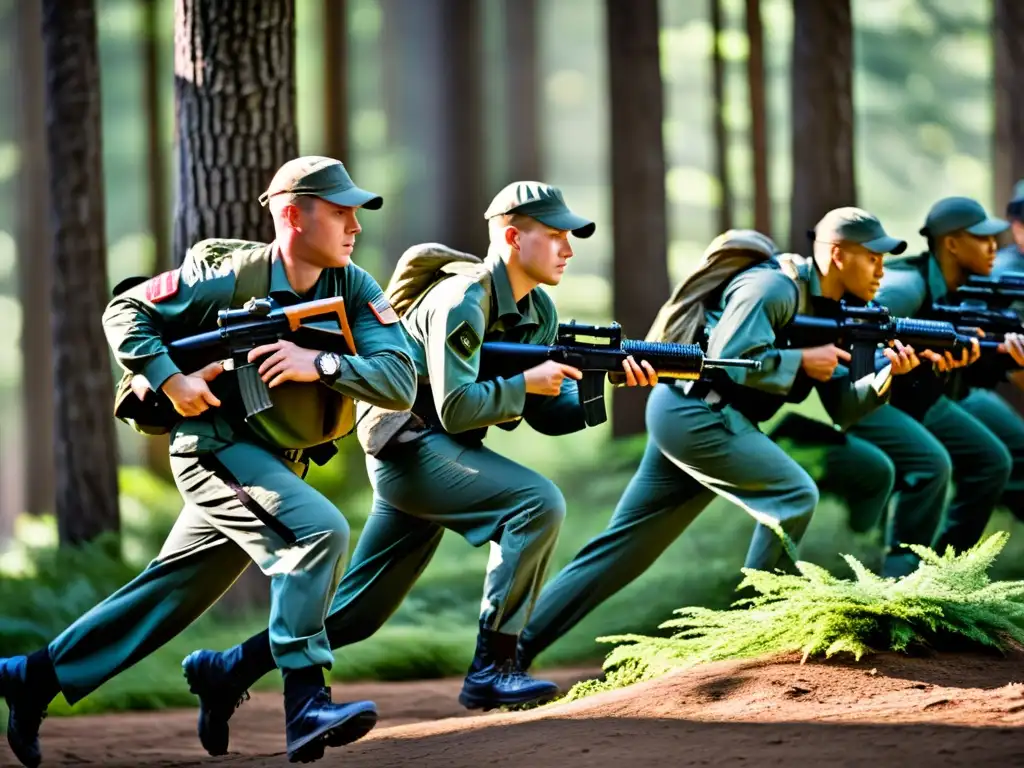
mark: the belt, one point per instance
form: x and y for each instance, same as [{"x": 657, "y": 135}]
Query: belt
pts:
[{"x": 701, "y": 390}]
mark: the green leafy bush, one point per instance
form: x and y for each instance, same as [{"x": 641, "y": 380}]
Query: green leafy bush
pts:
[{"x": 949, "y": 601}]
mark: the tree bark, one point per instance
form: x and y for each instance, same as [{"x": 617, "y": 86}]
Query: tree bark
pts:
[
  {"x": 822, "y": 109},
  {"x": 522, "y": 90},
  {"x": 758, "y": 118},
  {"x": 434, "y": 104},
  {"x": 639, "y": 221},
  {"x": 718, "y": 118},
  {"x": 336, "y": 112},
  {"x": 1008, "y": 168},
  {"x": 34, "y": 269},
  {"x": 86, "y": 449},
  {"x": 234, "y": 89}
]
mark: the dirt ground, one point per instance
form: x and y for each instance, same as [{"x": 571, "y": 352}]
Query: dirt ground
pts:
[{"x": 884, "y": 711}]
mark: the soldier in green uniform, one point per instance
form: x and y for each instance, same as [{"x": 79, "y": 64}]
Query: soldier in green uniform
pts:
[
  {"x": 704, "y": 437},
  {"x": 241, "y": 479},
  {"x": 1010, "y": 258},
  {"x": 982, "y": 434},
  {"x": 430, "y": 470}
]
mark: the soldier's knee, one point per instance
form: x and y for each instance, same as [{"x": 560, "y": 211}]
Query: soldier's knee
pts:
[
  {"x": 998, "y": 463},
  {"x": 552, "y": 503},
  {"x": 544, "y": 511},
  {"x": 334, "y": 528},
  {"x": 805, "y": 498},
  {"x": 940, "y": 466}
]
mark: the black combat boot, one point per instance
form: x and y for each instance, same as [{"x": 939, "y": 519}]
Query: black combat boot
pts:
[
  {"x": 28, "y": 683},
  {"x": 313, "y": 722},
  {"x": 495, "y": 678}
]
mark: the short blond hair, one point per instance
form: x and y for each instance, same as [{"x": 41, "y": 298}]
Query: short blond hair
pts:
[{"x": 496, "y": 224}]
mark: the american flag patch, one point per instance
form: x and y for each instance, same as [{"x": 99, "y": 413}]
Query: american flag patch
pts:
[
  {"x": 382, "y": 308},
  {"x": 161, "y": 287}
]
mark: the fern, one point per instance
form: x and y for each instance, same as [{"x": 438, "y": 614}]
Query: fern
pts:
[{"x": 949, "y": 600}]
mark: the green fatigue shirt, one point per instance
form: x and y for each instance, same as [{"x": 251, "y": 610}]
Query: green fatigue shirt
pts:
[
  {"x": 755, "y": 305},
  {"x": 446, "y": 329},
  {"x": 140, "y": 322}
]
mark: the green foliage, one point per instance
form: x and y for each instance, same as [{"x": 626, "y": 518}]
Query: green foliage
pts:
[{"x": 949, "y": 601}]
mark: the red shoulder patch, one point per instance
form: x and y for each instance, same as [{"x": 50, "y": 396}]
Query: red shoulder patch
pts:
[
  {"x": 161, "y": 287},
  {"x": 382, "y": 308}
]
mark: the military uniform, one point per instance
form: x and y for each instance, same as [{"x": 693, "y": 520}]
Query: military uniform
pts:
[
  {"x": 433, "y": 473},
  {"x": 241, "y": 479},
  {"x": 704, "y": 438},
  {"x": 978, "y": 432}
]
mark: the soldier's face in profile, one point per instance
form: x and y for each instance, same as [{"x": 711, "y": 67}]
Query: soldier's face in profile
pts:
[
  {"x": 544, "y": 252},
  {"x": 328, "y": 232},
  {"x": 861, "y": 270},
  {"x": 1017, "y": 229},
  {"x": 976, "y": 254}
]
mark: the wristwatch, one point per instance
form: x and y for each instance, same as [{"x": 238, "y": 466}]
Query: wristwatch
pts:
[{"x": 328, "y": 365}]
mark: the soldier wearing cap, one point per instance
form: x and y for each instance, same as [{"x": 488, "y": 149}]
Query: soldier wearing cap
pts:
[
  {"x": 241, "y": 479},
  {"x": 704, "y": 437},
  {"x": 979, "y": 430},
  {"x": 1010, "y": 258},
  {"x": 435, "y": 474}
]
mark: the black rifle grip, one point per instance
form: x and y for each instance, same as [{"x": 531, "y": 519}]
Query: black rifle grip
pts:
[{"x": 591, "y": 392}]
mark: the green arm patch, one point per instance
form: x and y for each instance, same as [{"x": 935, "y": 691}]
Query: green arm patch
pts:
[{"x": 464, "y": 340}]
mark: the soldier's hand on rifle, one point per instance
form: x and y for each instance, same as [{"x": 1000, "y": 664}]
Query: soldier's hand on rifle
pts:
[
  {"x": 637, "y": 376},
  {"x": 286, "y": 362},
  {"x": 547, "y": 378},
  {"x": 902, "y": 357},
  {"x": 190, "y": 395},
  {"x": 946, "y": 362},
  {"x": 820, "y": 362},
  {"x": 1013, "y": 344}
]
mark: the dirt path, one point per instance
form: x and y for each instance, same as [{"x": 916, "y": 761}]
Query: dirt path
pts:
[{"x": 888, "y": 711}]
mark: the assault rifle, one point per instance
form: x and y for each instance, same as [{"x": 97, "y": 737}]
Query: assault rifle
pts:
[
  {"x": 861, "y": 330},
  {"x": 971, "y": 317},
  {"x": 259, "y": 322},
  {"x": 1000, "y": 292},
  {"x": 596, "y": 359}
]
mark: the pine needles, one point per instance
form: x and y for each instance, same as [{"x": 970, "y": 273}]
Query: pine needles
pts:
[{"x": 948, "y": 601}]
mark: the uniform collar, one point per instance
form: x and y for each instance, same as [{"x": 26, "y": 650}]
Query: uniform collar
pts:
[
  {"x": 279, "y": 285},
  {"x": 937, "y": 287},
  {"x": 510, "y": 314}
]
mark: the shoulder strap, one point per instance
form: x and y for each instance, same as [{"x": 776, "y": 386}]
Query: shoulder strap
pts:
[
  {"x": 797, "y": 268},
  {"x": 252, "y": 273}
]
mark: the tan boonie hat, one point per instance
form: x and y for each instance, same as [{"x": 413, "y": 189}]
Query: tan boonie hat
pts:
[
  {"x": 542, "y": 202},
  {"x": 322, "y": 177}
]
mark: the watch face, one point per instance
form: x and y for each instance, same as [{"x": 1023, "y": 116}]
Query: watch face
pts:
[{"x": 329, "y": 364}]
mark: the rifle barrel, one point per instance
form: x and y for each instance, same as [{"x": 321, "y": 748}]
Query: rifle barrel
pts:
[{"x": 712, "y": 362}]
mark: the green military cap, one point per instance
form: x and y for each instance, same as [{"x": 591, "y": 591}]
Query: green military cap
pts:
[
  {"x": 741, "y": 240},
  {"x": 322, "y": 177},
  {"x": 952, "y": 214},
  {"x": 1015, "y": 208},
  {"x": 855, "y": 225},
  {"x": 541, "y": 202}
]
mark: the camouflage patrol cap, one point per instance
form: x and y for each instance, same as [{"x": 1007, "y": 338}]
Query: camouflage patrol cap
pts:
[
  {"x": 952, "y": 214},
  {"x": 741, "y": 240},
  {"x": 322, "y": 177},
  {"x": 542, "y": 202}
]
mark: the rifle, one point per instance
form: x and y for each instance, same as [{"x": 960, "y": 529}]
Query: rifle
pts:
[
  {"x": 969, "y": 317},
  {"x": 1001, "y": 292},
  {"x": 595, "y": 359},
  {"x": 860, "y": 331},
  {"x": 263, "y": 321}
]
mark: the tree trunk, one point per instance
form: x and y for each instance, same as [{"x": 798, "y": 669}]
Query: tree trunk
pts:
[
  {"x": 1008, "y": 168},
  {"x": 156, "y": 165},
  {"x": 822, "y": 109},
  {"x": 234, "y": 93},
  {"x": 86, "y": 449},
  {"x": 639, "y": 222},
  {"x": 34, "y": 272},
  {"x": 758, "y": 118},
  {"x": 336, "y": 132},
  {"x": 522, "y": 90},
  {"x": 434, "y": 103},
  {"x": 718, "y": 119}
]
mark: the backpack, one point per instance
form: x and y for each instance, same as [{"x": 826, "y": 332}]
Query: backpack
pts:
[
  {"x": 419, "y": 269},
  {"x": 156, "y": 415},
  {"x": 680, "y": 319}
]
